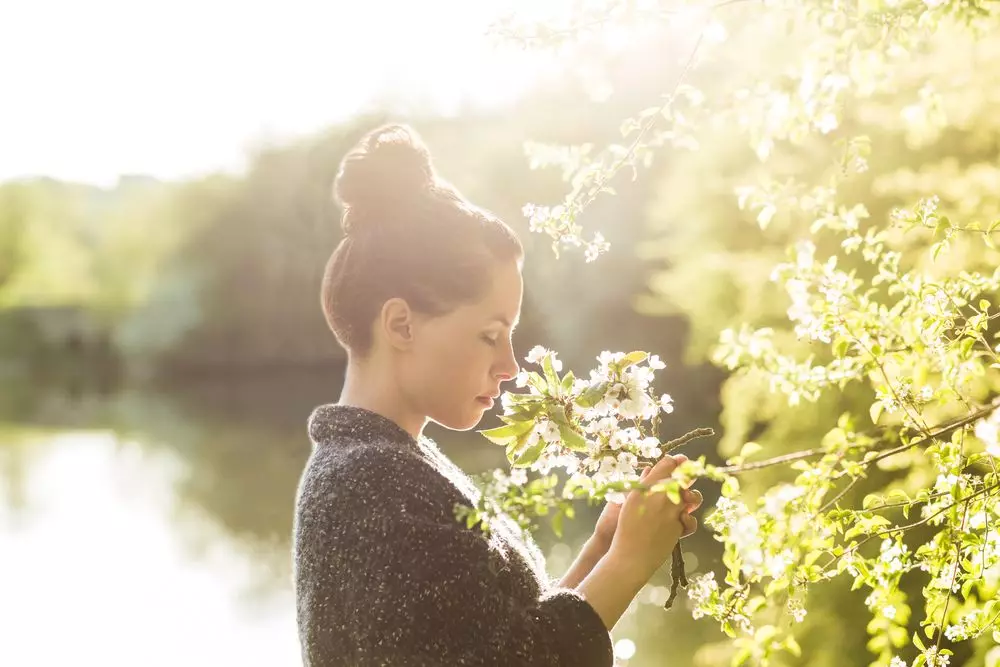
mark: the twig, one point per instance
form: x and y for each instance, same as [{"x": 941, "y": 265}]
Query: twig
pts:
[
  {"x": 671, "y": 445},
  {"x": 945, "y": 429},
  {"x": 954, "y": 577},
  {"x": 840, "y": 495}
]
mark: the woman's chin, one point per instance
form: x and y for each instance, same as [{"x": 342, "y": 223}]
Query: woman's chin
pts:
[{"x": 463, "y": 421}]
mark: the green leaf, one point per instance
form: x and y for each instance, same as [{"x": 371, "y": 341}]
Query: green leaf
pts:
[
  {"x": 875, "y": 411},
  {"x": 515, "y": 448},
  {"x": 766, "y": 215},
  {"x": 557, "y": 413},
  {"x": 765, "y": 634},
  {"x": 502, "y": 435},
  {"x": 530, "y": 454},
  {"x": 537, "y": 381},
  {"x": 557, "y": 524},
  {"x": 965, "y": 347},
  {"x": 572, "y": 439},
  {"x": 793, "y": 646},
  {"x": 671, "y": 487},
  {"x": 567, "y": 382},
  {"x": 551, "y": 378},
  {"x": 633, "y": 358},
  {"x": 749, "y": 449},
  {"x": 592, "y": 395},
  {"x": 897, "y": 495},
  {"x": 840, "y": 348}
]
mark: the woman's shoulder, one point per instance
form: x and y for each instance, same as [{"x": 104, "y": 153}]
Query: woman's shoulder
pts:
[{"x": 361, "y": 460}]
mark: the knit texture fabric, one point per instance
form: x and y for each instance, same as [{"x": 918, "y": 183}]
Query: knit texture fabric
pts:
[{"x": 385, "y": 574}]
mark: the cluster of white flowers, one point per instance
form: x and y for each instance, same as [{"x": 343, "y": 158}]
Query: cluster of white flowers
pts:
[
  {"x": 796, "y": 607},
  {"x": 702, "y": 590},
  {"x": 936, "y": 659},
  {"x": 613, "y": 450},
  {"x": 554, "y": 221},
  {"x": 740, "y": 526},
  {"x": 968, "y": 627},
  {"x": 988, "y": 431},
  {"x": 808, "y": 311},
  {"x": 778, "y": 499},
  {"x": 946, "y": 484},
  {"x": 985, "y": 562},
  {"x": 894, "y": 559},
  {"x": 516, "y": 477}
]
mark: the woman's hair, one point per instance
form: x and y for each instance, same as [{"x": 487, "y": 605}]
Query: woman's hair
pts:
[{"x": 407, "y": 234}]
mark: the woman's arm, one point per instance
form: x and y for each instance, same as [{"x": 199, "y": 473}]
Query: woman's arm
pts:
[
  {"x": 595, "y": 547},
  {"x": 591, "y": 553},
  {"x": 612, "y": 585}
]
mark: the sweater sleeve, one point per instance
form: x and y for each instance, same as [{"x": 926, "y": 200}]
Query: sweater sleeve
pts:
[{"x": 428, "y": 592}]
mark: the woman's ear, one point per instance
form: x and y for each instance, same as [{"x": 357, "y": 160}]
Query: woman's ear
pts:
[{"x": 396, "y": 321}]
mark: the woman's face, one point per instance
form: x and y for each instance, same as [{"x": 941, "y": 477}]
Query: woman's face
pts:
[{"x": 459, "y": 360}]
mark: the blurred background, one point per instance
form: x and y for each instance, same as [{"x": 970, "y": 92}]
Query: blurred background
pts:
[{"x": 165, "y": 217}]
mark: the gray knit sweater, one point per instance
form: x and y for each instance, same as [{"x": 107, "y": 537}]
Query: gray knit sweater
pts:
[{"x": 385, "y": 574}]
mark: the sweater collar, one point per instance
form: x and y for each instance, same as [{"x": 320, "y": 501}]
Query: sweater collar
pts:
[{"x": 334, "y": 421}]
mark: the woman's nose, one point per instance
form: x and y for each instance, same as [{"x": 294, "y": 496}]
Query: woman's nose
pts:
[{"x": 509, "y": 367}]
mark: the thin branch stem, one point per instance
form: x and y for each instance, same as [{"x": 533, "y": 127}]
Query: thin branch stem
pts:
[
  {"x": 644, "y": 128},
  {"x": 954, "y": 577},
  {"x": 840, "y": 495},
  {"x": 671, "y": 445}
]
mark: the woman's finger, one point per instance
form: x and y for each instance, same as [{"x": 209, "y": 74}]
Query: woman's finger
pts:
[
  {"x": 690, "y": 524},
  {"x": 692, "y": 499},
  {"x": 662, "y": 470}
]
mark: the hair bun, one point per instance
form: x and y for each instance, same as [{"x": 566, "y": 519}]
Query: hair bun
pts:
[{"x": 388, "y": 169}]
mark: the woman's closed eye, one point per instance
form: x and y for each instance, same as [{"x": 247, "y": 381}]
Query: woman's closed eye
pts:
[{"x": 490, "y": 340}]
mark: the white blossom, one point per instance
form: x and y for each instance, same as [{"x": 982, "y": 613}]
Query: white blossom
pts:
[
  {"x": 549, "y": 431},
  {"x": 701, "y": 588},
  {"x": 536, "y": 355},
  {"x": 519, "y": 476}
]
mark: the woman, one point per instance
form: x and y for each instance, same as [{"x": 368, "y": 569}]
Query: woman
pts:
[{"x": 424, "y": 293}]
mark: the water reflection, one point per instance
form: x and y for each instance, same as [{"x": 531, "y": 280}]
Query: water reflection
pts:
[
  {"x": 93, "y": 570},
  {"x": 154, "y": 527}
]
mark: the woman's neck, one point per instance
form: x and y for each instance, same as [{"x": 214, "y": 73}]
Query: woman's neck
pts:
[{"x": 369, "y": 387}]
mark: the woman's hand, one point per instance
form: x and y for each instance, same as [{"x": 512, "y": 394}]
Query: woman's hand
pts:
[
  {"x": 650, "y": 525},
  {"x": 607, "y": 522}
]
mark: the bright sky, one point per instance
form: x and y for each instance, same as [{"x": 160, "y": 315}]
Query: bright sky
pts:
[{"x": 179, "y": 87}]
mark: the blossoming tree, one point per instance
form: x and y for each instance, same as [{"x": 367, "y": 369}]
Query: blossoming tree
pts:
[{"x": 899, "y": 307}]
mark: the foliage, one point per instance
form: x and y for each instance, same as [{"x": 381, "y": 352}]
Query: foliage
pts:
[{"x": 894, "y": 302}]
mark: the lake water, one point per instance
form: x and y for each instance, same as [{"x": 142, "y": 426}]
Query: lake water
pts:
[{"x": 153, "y": 527}]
